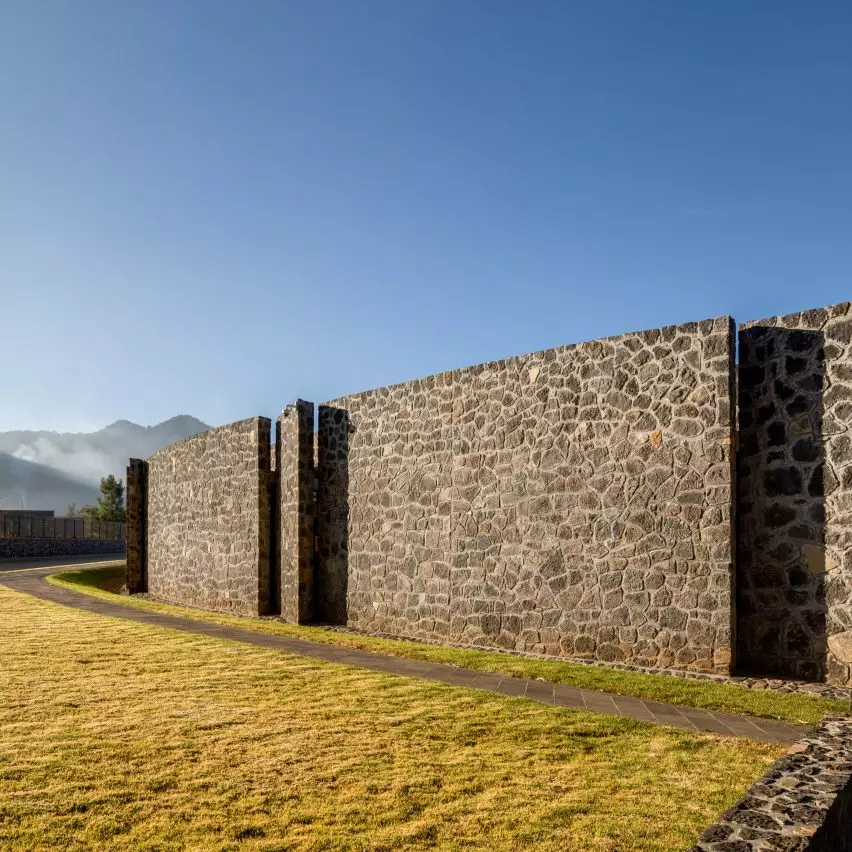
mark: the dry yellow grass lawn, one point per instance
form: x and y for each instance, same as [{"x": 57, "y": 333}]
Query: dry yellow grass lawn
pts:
[
  {"x": 116, "y": 735},
  {"x": 789, "y": 707}
]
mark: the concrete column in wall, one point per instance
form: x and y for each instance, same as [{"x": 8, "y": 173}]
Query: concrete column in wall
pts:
[
  {"x": 295, "y": 438},
  {"x": 136, "y": 568}
]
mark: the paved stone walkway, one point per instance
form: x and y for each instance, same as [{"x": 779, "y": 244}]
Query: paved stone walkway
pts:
[
  {"x": 33, "y": 582},
  {"x": 65, "y": 563}
]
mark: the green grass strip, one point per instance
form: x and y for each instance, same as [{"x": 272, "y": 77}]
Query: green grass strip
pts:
[{"x": 689, "y": 692}]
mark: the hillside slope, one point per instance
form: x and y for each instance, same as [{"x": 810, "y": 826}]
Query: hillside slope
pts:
[{"x": 49, "y": 470}]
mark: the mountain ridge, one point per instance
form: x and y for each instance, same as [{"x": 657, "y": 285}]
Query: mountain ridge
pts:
[
  {"x": 177, "y": 419},
  {"x": 53, "y": 469}
]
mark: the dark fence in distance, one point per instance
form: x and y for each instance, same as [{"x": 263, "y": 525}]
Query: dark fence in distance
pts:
[{"x": 39, "y": 526}]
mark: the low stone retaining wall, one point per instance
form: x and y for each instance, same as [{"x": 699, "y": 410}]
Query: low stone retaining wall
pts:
[
  {"x": 803, "y": 804},
  {"x": 39, "y": 548}
]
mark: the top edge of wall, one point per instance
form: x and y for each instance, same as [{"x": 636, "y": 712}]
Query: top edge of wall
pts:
[
  {"x": 725, "y": 319},
  {"x": 297, "y": 405},
  {"x": 812, "y": 318},
  {"x": 257, "y": 421}
]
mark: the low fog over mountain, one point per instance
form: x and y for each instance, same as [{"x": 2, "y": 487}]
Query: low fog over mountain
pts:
[{"x": 49, "y": 470}]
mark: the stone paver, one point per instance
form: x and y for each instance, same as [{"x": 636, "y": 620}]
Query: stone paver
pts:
[{"x": 33, "y": 582}]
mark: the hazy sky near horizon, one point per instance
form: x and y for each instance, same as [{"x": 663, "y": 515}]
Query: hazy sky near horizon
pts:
[{"x": 216, "y": 207}]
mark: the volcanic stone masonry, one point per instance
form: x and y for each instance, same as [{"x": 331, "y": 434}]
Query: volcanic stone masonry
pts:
[
  {"x": 208, "y": 519},
  {"x": 295, "y": 446},
  {"x": 803, "y": 804},
  {"x": 136, "y": 500},
  {"x": 795, "y": 495},
  {"x": 575, "y": 501},
  {"x": 332, "y": 563}
]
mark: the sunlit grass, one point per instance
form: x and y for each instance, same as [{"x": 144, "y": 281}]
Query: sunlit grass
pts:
[
  {"x": 790, "y": 707},
  {"x": 118, "y": 735}
]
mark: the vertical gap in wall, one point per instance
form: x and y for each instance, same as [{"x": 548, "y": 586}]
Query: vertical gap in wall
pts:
[
  {"x": 453, "y": 538},
  {"x": 274, "y": 525},
  {"x": 734, "y": 448},
  {"x": 316, "y": 599},
  {"x": 143, "y": 523},
  {"x": 308, "y": 511}
]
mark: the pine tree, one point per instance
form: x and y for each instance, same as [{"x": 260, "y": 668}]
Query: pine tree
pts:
[{"x": 110, "y": 505}]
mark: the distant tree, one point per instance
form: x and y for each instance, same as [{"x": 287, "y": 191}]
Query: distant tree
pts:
[
  {"x": 71, "y": 511},
  {"x": 110, "y": 505}
]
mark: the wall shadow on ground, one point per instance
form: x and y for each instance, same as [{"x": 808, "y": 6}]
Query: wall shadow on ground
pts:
[
  {"x": 781, "y": 605},
  {"x": 331, "y": 571}
]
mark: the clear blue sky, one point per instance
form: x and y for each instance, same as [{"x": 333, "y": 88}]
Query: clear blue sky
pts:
[{"x": 214, "y": 208}]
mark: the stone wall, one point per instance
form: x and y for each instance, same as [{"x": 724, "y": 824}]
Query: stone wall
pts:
[
  {"x": 295, "y": 448},
  {"x": 803, "y": 804},
  {"x": 332, "y": 564},
  {"x": 209, "y": 519},
  {"x": 795, "y": 495},
  {"x": 575, "y": 501},
  {"x": 43, "y": 548},
  {"x": 136, "y": 489}
]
